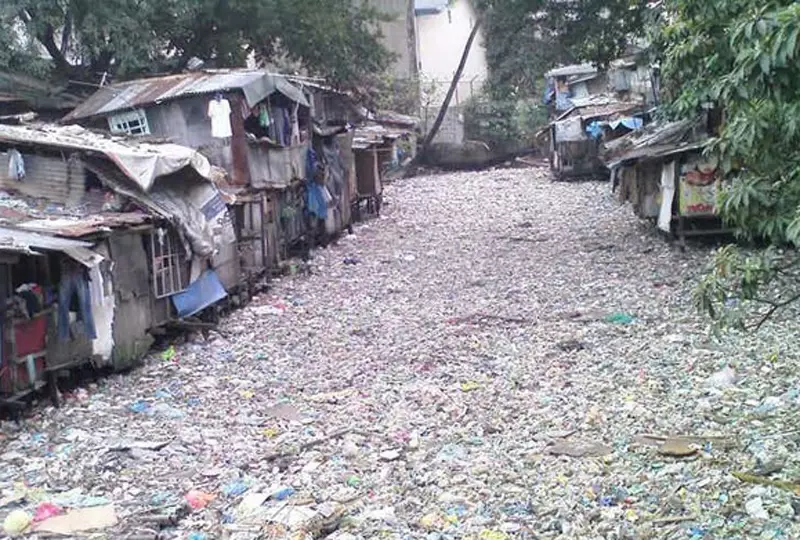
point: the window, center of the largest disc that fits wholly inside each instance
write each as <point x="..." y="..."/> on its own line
<point x="132" y="123"/>
<point x="167" y="267"/>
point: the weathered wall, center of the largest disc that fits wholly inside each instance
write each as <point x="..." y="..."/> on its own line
<point x="271" y="167"/>
<point x="452" y="128"/>
<point x="133" y="318"/>
<point x="441" y="38"/>
<point x="57" y="179"/>
<point x="185" y="121"/>
<point x="399" y="35"/>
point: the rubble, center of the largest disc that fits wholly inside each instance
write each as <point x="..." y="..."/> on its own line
<point x="431" y="390"/>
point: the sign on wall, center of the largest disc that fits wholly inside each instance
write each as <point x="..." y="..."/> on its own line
<point x="698" y="184"/>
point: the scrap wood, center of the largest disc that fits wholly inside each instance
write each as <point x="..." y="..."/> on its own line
<point x="79" y="520"/>
<point x="308" y="445"/>
<point x="670" y="520"/>
<point x="780" y="484"/>
<point x="658" y="440"/>
<point x="483" y="317"/>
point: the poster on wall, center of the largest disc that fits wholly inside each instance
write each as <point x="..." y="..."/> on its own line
<point x="698" y="184"/>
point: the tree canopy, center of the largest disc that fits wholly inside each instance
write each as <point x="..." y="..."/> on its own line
<point x="525" y="38"/>
<point x="85" y="39"/>
<point x="741" y="57"/>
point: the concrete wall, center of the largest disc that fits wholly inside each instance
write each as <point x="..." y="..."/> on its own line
<point x="399" y="34"/>
<point x="452" y="128"/>
<point x="440" y="42"/>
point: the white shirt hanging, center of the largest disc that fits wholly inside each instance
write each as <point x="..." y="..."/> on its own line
<point x="220" y="113"/>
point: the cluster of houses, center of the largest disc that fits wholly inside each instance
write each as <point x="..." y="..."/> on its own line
<point x="155" y="200"/>
<point x="604" y="123"/>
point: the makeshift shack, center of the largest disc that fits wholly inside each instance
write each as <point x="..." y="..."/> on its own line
<point x="254" y="125"/>
<point x="38" y="336"/>
<point x="149" y="223"/>
<point x="380" y="147"/>
<point x="665" y="175"/>
<point x="576" y="135"/>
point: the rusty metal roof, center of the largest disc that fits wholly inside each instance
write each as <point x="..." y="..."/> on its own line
<point x="17" y="241"/>
<point x="84" y="226"/>
<point x="575" y="69"/>
<point x="256" y="85"/>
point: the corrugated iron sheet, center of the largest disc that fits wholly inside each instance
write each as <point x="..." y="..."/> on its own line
<point x="139" y="161"/>
<point x="19" y="241"/>
<point x="576" y="69"/>
<point x="78" y="227"/>
<point x="256" y="85"/>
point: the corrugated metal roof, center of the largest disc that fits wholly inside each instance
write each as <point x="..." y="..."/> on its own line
<point x="140" y="162"/>
<point x="256" y="85"/>
<point x="655" y="141"/>
<point x="78" y="227"/>
<point x="576" y="69"/>
<point x="19" y="241"/>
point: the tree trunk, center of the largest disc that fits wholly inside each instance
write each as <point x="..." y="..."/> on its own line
<point x="453" y="84"/>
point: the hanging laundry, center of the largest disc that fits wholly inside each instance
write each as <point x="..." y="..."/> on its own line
<point x="219" y="110"/>
<point x="295" y="137"/>
<point x="287" y="128"/>
<point x="263" y="116"/>
<point x="73" y="284"/>
<point x="16" y="165"/>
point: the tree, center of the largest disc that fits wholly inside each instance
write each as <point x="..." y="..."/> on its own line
<point x="525" y="38"/>
<point x="85" y="39"/>
<point x="450" y="91"/>
<point x="741" y="57"/>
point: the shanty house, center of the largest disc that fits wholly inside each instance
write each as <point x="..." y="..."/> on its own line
<point x="101" y="241"/>
<point x="664" y="174"/>
<point x="254" y="125"/>
<point x="576" y="135"/>
<point x="380" y="146"/>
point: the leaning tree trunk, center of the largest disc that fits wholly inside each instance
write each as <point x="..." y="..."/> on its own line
<point x="453" y="84"/>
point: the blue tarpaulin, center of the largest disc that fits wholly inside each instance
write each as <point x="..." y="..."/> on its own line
<point x="203" y="292"/>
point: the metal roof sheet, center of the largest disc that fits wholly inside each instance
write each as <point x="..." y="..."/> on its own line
<point x="575" y="69"/>
<point x="256" y="85"/>
<point x="19" y="241"/>
<point x="140" y="162"/>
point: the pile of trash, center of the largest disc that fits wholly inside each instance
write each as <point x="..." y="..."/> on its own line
<point x="497" y="357"/>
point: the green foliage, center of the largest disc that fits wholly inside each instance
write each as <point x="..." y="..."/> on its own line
<point x="744" y="289"/>
<point x="525" y="38"/>
<point x="398" y="94"/>
<point x="505" y="125"/>
<point x="85" y="38"/>
<point x="742" y="57"/>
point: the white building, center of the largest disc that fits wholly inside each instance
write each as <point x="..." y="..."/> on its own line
<point x="428" y="39"/>
<point x="443" y="28"/>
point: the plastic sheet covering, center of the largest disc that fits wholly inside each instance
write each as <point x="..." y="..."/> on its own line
<point x="569" y="130"/>
<point x="203" y="292"/>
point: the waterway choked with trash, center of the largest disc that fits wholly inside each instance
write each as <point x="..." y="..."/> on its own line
<point x="498" y="356"/>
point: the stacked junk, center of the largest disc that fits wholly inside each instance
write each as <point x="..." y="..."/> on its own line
<point x="156" y="202"/>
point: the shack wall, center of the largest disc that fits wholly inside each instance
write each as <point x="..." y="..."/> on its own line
<point x="56" y="178"/>
<point x="133" y="317"/>
<point x="275" y="168"/>
<point x="185" y="121"/>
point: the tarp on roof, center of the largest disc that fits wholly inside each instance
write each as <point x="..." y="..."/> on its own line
<point x="655" y="142"/>
<point x="255" y="85"/>
<point x="140" y="162"/>
<point x="30" y="243"/>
